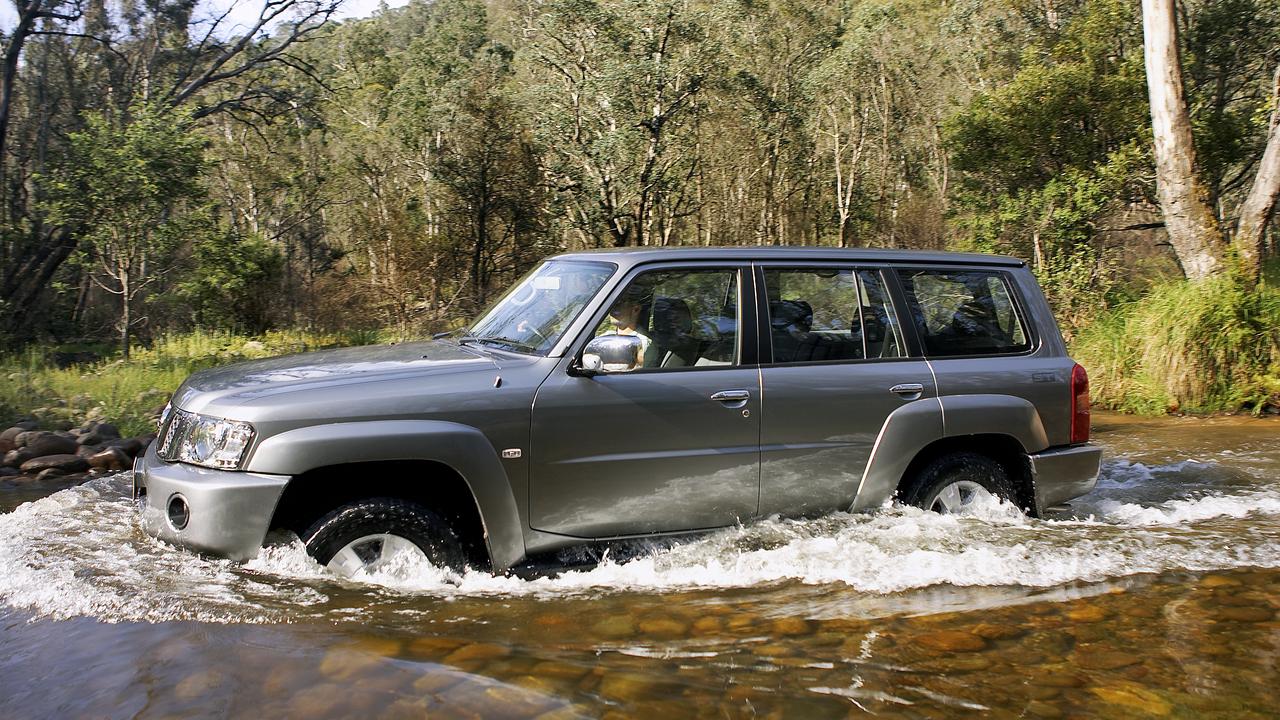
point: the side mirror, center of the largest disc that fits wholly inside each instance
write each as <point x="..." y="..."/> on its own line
<point x="612" y="354"/>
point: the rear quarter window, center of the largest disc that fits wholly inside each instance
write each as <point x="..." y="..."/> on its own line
<point x="965" y="312"/>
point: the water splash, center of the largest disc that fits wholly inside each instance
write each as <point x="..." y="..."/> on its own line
<point x="81" y="552"/>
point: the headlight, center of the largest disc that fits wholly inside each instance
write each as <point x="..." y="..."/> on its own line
<point x="201" y="440"/>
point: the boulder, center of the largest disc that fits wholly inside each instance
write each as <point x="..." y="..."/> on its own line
<point x="88" y="451"/>
<point x="9" y="439"/>
<point x="112" y="459"/>
<point x="131" y="446"/>
<point x="96" y="433"/>
<point x="9" y="472"/>
<point x="48" y="474"/>
<point x="15" y="458"/>
<point x="65" y="462"/>
<point x="43" y="442"/>
<point x="26" y="423"/>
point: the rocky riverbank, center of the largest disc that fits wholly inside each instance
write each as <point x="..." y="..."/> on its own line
<point x="58" y="459"/>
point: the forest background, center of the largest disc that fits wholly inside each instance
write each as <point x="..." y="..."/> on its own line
<point x="173" y="183"/>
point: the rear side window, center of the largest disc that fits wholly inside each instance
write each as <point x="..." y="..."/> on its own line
<point x="965" y="312"/>
<point x="820" y="314"/>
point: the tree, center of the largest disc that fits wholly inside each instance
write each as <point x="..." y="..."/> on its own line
<point x="121" y="186"/>
<point x="69" y="57"/>
<point x="1190" y="222"/>
<point x="614" y="91"/>
<point x="1194" y="229"/>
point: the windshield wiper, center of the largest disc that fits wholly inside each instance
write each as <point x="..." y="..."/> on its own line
<point x="498" y="340"/>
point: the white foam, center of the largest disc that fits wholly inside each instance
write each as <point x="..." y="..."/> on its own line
<point x="81" y="552"/>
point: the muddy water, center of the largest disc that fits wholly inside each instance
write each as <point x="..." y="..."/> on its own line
<point x="1156" y="595"/>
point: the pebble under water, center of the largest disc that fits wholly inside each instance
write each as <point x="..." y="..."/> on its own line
<point x="1155" y="595"/>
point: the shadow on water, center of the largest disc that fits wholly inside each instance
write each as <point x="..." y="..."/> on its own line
<point x="1155" y="595"/>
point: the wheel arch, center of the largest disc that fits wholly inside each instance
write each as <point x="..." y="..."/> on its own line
<point x="445" y="466"/>
<point x="1003" y="427"/>
<point x="1004" y="449"/>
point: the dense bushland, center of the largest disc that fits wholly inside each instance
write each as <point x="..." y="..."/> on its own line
<point x="158" y="175"/>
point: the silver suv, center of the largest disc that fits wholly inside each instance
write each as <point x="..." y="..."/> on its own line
<point x="635" y="393"/>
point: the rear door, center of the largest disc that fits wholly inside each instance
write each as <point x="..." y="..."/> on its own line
<point x="838" y="364"/>
<point x="671" y="446"/>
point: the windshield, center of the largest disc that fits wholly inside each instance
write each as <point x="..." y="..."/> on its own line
<point x="533" y="315"/>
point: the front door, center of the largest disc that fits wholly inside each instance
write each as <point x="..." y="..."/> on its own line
<point x="672" y="445"/>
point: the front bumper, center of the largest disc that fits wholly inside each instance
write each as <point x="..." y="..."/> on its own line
<point x="230" y="512"/>
<point x="1063" y="473"/>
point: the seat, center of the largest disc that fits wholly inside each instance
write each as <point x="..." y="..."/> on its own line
<point x="672" y="332"/>
<point x="790" y="322"/>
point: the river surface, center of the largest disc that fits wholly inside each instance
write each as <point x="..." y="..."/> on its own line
<point x="1156" y="595"/>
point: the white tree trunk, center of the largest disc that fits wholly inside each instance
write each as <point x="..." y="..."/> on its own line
<point x="1260" y="204"/>
<point x="1193" y="229"/>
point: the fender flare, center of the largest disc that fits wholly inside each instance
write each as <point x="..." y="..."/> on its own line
<point x="907" y="431"/>
<point x="460" y="447"/>
<point x="994" y="415"/>
<point x="914" y="426"/>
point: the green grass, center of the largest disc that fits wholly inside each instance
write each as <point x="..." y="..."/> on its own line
<point x="1211" y="346"/>
<point x="128" y="392"/>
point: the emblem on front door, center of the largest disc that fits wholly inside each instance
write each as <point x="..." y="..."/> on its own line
<point x="511" y="453"/>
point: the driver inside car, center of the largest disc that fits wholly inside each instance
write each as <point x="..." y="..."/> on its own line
<point x="628" y="317"/>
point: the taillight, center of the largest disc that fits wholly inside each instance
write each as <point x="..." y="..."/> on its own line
<point x="1079" y="404"/>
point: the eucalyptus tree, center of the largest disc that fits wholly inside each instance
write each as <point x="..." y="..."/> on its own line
<point x="1193" y="223"/>
<point x="614" y="90"/>
<point x="65" y="58"/>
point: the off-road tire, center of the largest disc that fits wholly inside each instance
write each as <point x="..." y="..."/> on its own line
<point x="372" y="516"/>
<point x="955" y="467"/>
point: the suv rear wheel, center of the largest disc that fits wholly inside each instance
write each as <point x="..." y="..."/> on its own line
<point x="367" y="535"/>
<point x="953" y="484"/>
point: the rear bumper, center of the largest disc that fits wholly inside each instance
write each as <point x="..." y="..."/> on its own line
<point x="1063" y="473"/>
<point x="230" y="512"/>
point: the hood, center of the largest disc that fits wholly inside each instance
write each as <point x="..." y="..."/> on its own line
<point x="332" y="370"/>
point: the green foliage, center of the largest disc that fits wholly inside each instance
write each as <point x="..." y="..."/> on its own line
<point x="1209" y="346"/>
<point x="234" y="282"/>
<point x="128" y="392"/>
<point x="120" y="180"/>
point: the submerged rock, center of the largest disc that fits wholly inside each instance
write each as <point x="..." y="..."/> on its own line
<point x="952" y="641"/>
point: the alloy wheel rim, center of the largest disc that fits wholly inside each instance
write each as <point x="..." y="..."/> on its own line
<point x="959" y="497"/>
<point x="370" y="553"/>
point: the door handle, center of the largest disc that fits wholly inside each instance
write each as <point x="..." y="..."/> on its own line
<point x="732" y="396"/>
<point x="905" y="389"/>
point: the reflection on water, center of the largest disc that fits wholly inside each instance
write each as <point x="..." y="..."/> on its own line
<point x="1157" y="594"/>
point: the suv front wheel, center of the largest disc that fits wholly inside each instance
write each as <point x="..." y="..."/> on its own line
<point x="370" y="535"/>
<point x="955" y="484"/>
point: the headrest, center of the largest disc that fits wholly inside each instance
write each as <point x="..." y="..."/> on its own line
<point x="785" y="313"/>
<point x="671" y="319"/>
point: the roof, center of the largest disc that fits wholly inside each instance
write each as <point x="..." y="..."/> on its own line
<point x="638" y="255"/>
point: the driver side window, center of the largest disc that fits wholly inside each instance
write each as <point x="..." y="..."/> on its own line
<point x="681" y="318"/>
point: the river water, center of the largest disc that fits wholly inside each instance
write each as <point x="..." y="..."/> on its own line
<point x="1156" y="595"/>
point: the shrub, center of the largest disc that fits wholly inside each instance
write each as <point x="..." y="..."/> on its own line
<point x="1210" y="346"/>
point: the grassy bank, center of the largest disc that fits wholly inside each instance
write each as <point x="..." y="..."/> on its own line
<point x="1212" y="346"/>
<point x="128" y="392"/>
